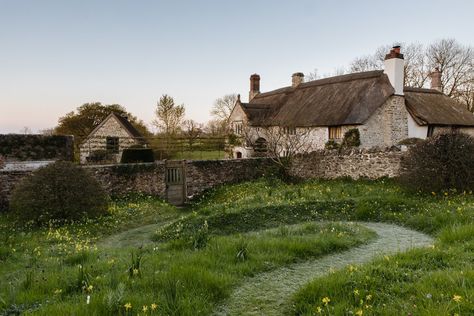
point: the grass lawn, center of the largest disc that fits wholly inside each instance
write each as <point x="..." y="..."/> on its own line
<point x="197" y="255"/>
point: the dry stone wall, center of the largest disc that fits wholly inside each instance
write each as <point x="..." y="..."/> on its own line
<point x="200" y="175"/>
<point x="354" y="163"/>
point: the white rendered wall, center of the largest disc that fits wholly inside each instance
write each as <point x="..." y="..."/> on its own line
<point x="415" y="130"/>
<point x="394" y="69"/>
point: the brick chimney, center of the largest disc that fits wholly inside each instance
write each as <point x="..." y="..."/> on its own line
<point x="394" y="65"/>
<point x="296" y="79"/>
<point x="436" y="80"/>
<point x="254" y="86"/>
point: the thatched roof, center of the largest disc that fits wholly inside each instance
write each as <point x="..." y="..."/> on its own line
<point x="341" y="100"/>
<point x="349" y="100"/>
<point x="429" y="106"/>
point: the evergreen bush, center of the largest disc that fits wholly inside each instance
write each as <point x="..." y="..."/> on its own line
<point x="59" y="192"/>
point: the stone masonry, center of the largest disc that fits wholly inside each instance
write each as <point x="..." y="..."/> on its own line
<point x="97" y="141"/>
<point x="200" y="175"/>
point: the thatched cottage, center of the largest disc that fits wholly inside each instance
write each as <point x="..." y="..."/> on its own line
<point x="108" y="140"/>
<point x="374" y="102"/>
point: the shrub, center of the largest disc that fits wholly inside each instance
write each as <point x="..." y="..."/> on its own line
<point x="351" y="138"/>
<point x="441" y="163"/>
<point x="59" y="192"/>
<point x="332" y="144"/>
<point x="134" y="155"/>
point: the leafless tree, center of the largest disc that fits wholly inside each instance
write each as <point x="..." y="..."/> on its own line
<point x="223" y="107"/>
<point x="47" y="131"/>
<point x="216" y="128"/>
<point x="192" y="130"/>
<point x="25" y="130"/>
<point x="281" y="145"/>
<point x="455" y="61"/>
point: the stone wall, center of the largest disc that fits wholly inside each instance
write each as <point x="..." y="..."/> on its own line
<point x="200" y="175"/>
<point x="354" y="163"/>
<point x="204" y="174"/>
<point x="387" y="126"/>
<point x="36" y="147"/>
<point x="8" y="180"/>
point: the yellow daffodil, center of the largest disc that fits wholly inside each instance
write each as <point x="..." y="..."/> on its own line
<point x="359" y="312"/>
<point x="457" y="298"/>
<point x="145" y="308"/>
<point x="128" y="306"/>
<point x="326" y="300"/>
<point x="154" y="306"/>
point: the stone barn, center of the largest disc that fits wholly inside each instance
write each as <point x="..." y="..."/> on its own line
<point x="108" y="140"/>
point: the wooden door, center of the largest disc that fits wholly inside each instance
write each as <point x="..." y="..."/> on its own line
<point x="175" y="182"/>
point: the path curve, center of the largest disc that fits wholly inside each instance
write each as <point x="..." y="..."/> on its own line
<point x="277" y="286"/>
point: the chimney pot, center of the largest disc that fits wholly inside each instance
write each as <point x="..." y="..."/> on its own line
<point x="254" y="86"/>
<point x="436" y="80"/>
<point x="296" y="79"/>
<point x="394" y="68"/>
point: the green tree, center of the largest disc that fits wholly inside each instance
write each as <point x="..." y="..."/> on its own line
<point x="88" y="116"/>
<point x="169" y="115"/>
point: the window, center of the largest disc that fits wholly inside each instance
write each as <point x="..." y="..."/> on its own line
<point x="289" y="130"/>
<point x="112" y="144"/>
<point x="430" y="131"/>
<point x="335" y="132"/>
<point x="238" y="128"/>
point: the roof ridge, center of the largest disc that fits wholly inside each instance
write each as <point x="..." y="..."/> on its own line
<point x="421" y="90"/>
<point x="324" y="81"/>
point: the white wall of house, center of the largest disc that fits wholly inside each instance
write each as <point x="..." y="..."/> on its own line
<point x="415" y="130"/>
<point x="467" y="130"/>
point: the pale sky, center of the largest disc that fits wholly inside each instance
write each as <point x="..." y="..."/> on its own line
<point x="57" y="55"/>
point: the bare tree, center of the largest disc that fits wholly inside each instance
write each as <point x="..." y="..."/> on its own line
<point x="25" y="130"/>
<point x="192" y="130"/>
<point x="280" y="144"/>
<point x="168" y="115"/>
<point x="216" y="128"/>
<point x="223" y="107"/>
<point x="47" y="131"/>
<point x="313" y="75"/>
<point x="455" y="61"/>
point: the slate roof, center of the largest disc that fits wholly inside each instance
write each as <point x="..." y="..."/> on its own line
<point x="124" y="122"/>
<point x="348" y="100"/>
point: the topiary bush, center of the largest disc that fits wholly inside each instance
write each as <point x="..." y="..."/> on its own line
<point x="440" y="163"/>
<point x="59" y="192"/>
<point x="134" y="155"/>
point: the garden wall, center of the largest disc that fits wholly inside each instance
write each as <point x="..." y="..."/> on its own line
<point x="200" y="175"/>
<point x="352" y="163"/>
<point x="16" y="147"/>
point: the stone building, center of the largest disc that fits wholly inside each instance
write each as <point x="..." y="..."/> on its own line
<point x="108" y="140"/>
<point x="374" y="102"/>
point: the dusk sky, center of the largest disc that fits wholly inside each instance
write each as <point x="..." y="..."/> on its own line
<point x="57" y="55"/>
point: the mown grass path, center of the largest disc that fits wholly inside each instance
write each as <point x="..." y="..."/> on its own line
<point x="134" y="237"/>
<point x="269" y="293"/>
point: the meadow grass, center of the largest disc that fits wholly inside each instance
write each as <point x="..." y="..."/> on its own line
<point x="232" y="233"/>
<point x="61" y="270"/>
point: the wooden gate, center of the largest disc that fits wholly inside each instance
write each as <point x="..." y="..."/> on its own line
<point x="175" y="182"/>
